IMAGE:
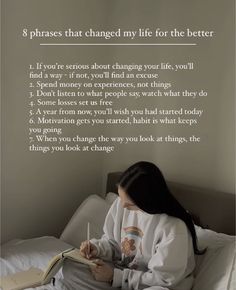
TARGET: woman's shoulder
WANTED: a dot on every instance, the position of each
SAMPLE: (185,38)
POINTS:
(171,225)
(116,207)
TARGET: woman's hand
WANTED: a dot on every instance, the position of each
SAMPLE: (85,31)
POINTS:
(88,250)
(103,272)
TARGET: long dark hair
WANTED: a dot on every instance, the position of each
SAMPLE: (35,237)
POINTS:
(145,185)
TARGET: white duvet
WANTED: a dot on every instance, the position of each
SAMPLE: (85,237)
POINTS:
(19,255)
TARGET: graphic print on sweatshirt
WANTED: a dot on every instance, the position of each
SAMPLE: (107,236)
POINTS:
(131,246)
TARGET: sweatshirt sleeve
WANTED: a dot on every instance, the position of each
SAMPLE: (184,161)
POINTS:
(166,268)
(108,246)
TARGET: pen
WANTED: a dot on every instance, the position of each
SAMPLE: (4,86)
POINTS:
(88,239)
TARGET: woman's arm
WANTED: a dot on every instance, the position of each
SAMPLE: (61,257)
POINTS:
(108,247)
(167,267)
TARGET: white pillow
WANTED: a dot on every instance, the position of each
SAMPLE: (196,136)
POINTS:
(216,268)
(111,197)
(211,239)
(232,279)
(93,210)
(210,270)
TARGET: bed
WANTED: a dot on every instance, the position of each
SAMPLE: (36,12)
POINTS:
(213,213)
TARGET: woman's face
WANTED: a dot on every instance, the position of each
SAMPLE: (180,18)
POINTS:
(125,200)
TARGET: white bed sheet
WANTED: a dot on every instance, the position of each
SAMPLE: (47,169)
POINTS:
(19,255)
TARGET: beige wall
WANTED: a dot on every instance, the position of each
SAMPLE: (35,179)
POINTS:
(211,163)
(40,192)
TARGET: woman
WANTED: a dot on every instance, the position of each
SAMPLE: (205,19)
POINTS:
(149,239)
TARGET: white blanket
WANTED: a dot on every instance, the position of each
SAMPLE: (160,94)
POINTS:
(19,255)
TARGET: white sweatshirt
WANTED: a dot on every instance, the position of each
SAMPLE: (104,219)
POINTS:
(153,251)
